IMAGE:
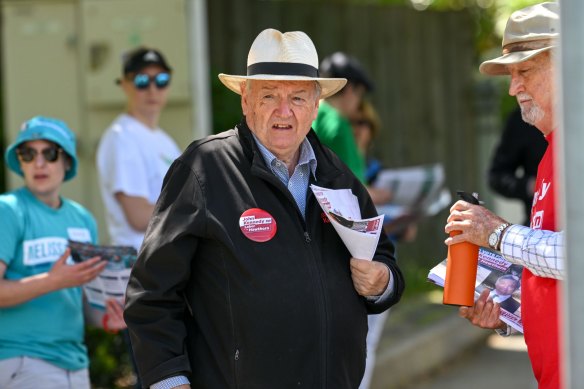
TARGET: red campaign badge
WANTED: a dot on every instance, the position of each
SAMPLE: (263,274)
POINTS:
(257,225)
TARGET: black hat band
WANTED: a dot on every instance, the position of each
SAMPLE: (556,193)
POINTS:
(282,69)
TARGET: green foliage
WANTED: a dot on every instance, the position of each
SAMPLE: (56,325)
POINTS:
(490,16)
(110,365)
(226,105)
(416,276)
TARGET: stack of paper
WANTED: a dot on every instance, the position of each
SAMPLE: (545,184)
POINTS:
(417,191)
(112,281)
(491,266)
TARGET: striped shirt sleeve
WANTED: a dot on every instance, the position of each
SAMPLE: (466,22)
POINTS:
(540,251)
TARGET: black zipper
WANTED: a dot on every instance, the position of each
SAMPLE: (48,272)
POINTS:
(321,298)
(263,173)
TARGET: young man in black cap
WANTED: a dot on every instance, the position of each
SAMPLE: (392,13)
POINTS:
(332,124)
(135,153)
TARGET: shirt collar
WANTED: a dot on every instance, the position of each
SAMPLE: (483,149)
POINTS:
(307,155)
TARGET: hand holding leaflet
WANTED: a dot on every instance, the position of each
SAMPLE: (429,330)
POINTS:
(112,281)
(360,236)
(417,192)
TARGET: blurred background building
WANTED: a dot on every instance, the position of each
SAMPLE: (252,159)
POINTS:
(60,58)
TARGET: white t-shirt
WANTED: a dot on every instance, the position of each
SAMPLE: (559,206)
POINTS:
(133,159)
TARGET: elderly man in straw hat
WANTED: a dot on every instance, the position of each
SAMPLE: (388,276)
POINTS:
(242,281)
(528,45)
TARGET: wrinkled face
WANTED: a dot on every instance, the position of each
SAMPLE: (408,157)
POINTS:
(505,286)
(148,101)
(41,177)
(280,113)
(532,84)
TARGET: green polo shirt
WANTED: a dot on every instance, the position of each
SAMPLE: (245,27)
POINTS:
(335,131)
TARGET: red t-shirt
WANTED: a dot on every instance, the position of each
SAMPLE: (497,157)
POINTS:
(539,295)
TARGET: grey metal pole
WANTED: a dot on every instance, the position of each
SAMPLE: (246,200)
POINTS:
(570,166)
(199,67)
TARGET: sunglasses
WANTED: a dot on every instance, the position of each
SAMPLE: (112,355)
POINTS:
(50,154)
(142,81)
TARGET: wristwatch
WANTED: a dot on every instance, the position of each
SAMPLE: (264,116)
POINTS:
(495,237)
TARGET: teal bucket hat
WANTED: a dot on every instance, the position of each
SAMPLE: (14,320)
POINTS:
(44,128)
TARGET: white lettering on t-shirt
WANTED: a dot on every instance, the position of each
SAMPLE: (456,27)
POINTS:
(540,193)
(537,220)
(544,189)
(43,250)
(79,234)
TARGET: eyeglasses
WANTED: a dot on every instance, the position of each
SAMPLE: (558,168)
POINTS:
(50,154)
(142,81)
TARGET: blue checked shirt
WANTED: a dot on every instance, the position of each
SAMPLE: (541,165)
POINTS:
(540,251)
(298,183)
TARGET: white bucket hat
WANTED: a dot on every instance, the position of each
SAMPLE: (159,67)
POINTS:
(290,56)
(529,32)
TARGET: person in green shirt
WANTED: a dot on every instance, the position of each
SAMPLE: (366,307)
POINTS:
(333,126)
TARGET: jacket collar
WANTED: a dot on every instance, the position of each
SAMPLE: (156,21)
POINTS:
(326,169)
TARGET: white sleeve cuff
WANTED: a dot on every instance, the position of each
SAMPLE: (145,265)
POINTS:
(388,290)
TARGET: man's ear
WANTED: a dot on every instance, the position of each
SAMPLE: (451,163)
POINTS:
(243,89)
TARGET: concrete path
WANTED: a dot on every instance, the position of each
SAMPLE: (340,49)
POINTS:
(498,363)
(425,345)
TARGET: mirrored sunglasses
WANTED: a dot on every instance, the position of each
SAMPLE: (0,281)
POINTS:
(50,154)
(142,81)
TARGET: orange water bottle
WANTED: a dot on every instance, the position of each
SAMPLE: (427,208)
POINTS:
(461,267)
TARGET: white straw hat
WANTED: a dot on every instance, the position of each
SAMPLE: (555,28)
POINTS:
(289,56)
(529,32)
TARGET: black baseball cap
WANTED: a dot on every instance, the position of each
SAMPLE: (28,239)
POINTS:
(139,58)
(341,65)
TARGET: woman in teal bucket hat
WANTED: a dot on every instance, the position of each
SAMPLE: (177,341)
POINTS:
(41,301)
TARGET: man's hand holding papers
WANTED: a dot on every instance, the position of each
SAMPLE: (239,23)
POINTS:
(112,281)
(360,236)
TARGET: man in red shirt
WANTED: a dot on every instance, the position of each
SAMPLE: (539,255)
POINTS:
(528,45)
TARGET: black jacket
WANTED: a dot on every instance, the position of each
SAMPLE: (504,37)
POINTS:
(205,301)
(510,305)
(516,159)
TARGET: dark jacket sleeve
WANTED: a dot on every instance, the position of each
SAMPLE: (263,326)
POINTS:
(155,304)
(509,156)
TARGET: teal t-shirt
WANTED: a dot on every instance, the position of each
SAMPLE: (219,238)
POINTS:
(335,131)
(34,236)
